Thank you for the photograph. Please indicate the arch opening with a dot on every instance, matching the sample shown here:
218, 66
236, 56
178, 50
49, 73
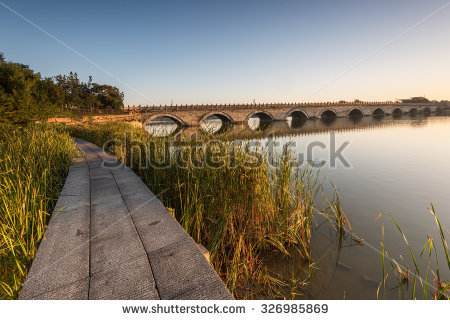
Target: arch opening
439, 111
297, 114
328, 117
259, 121
328, 114
216, 123
413, 112
378, 113
426, 111
355, 113
397, 113
163, 126
296, 119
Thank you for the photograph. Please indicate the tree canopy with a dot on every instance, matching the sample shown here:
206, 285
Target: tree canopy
25, 96
416, 100
88, 95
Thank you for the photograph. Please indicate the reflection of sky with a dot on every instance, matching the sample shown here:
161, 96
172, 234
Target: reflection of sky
235, 51
161, 130
398, 169
212, 125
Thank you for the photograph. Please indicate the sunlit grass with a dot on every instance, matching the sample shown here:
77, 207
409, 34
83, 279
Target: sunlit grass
402, 273
241, 210
33, 164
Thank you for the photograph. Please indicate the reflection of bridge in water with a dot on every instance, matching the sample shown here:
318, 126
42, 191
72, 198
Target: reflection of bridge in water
309, 126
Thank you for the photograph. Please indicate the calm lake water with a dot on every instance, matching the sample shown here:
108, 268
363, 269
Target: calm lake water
398, 166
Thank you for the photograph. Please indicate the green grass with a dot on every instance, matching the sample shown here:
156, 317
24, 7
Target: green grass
241, 209
402, 273
33, 164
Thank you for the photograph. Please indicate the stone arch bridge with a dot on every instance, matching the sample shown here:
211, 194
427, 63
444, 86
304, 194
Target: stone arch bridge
194, 115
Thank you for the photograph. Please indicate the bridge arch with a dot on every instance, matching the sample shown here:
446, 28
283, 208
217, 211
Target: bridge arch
328, 114
378, 112
221, 115
262, 114
355, 113
175, 118
413, 111
397, 112
297, 114
426, 110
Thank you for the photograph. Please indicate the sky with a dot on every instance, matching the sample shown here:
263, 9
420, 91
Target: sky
231, 51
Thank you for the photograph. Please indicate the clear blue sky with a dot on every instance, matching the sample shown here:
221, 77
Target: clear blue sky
236, 51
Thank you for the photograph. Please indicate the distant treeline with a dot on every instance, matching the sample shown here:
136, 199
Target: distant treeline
26, 96
421, 100
409, 100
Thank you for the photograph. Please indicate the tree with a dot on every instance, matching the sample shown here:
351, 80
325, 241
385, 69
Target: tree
81, 95
108, 96
17, 85
89, 98
24, 96
48, 98
416, 100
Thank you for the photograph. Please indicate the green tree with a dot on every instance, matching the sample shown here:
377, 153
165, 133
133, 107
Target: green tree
416, 100
24, 96
49, 97
89, 98
73, 90
108, 96
17, 85
81, 95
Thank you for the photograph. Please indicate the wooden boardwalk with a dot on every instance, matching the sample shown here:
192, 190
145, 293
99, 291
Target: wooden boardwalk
111, 238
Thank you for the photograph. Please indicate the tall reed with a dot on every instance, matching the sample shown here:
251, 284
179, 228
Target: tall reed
226, 196
401, 273
33, 164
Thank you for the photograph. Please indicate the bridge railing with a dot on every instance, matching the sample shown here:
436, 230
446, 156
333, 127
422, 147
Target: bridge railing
153, 108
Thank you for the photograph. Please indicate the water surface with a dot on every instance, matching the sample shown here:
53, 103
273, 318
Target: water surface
398, 166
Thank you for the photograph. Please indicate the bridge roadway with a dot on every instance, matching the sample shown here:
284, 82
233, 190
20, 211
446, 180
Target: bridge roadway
111, 238
194, 115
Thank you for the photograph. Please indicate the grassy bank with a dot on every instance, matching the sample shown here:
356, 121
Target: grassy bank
33, 164
238, 206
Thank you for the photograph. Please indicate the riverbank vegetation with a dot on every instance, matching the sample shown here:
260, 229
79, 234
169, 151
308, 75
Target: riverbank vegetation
34, 162
241, 209
411, 279
26, 96
240, 205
